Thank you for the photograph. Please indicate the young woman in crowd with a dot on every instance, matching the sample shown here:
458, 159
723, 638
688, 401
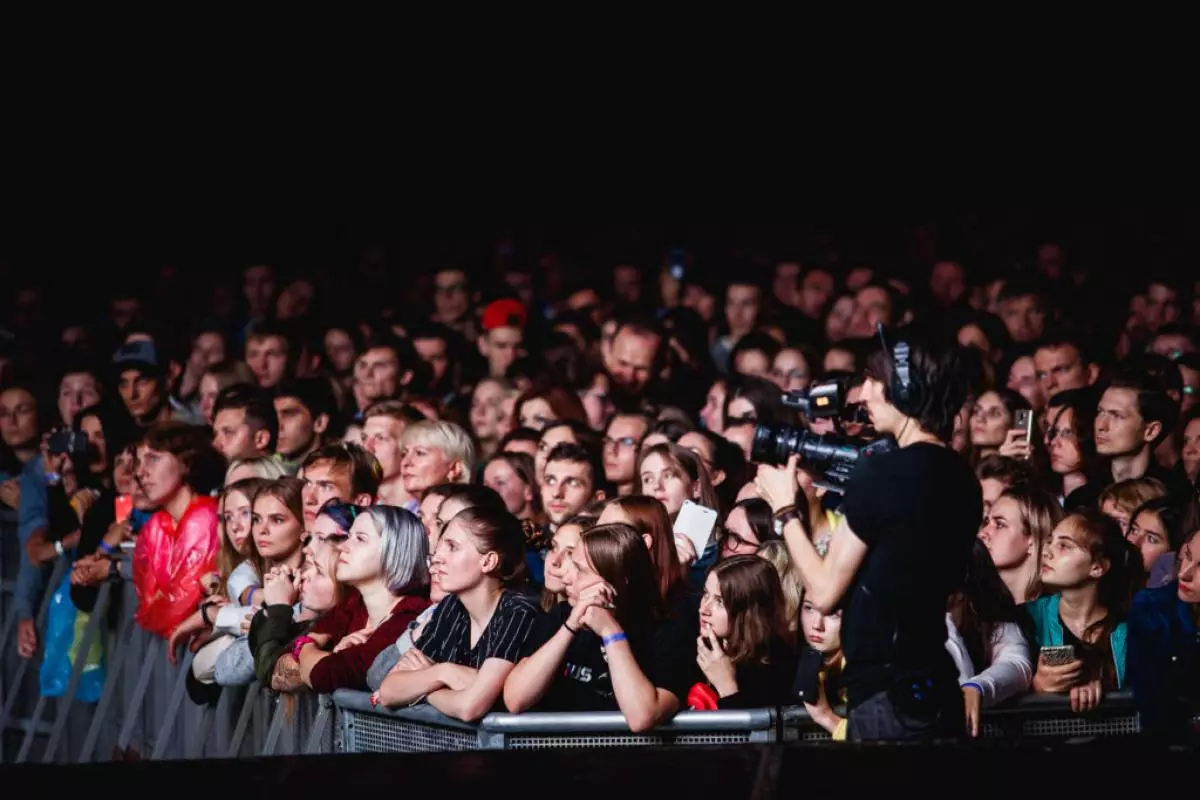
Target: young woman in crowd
556, 433
512, 476
742, 648
819, 671
491, 414
471, 643
673, 475
1071, 418
1164, 648
1017, 528
564, 542
986, 639
544, 404
649, 518
1093, 573
1122, 498
747, 528
217, 377
992, 419
1156, 529
612, 646
177, 468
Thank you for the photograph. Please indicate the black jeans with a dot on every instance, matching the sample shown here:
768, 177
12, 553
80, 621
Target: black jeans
889, 716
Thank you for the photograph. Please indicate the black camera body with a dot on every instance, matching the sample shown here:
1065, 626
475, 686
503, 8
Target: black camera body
73, 443
829, 456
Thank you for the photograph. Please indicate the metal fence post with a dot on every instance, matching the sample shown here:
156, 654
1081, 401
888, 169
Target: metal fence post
122, 645
176, 700
243, 722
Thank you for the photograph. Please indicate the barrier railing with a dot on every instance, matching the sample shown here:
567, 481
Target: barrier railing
143, 710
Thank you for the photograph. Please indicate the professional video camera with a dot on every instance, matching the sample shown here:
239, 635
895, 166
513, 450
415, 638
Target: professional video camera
831, 457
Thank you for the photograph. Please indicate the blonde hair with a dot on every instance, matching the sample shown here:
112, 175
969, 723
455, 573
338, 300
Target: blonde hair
452, 440
776, 552
264, 467
1131, 494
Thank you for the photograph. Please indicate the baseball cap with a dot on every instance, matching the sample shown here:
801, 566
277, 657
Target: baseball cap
140, 354
504, 313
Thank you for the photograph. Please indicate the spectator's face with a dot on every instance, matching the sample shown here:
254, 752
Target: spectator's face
502, 479
377, 373
838, 359
741, 309
1172, 345
583, 299
742, 436
551, 438
422, 466
566, 488
871, 305
699, 444
1022, 378
790, 370
627, 283
161, 475
1066, 561
433, 353
1147, 533
233, 438
522, 446
536, 414
360, 557
18, 419
501, 347
859, 277
578, 573
295, 300
947, 283
1061, 442
1160, 306
699, 300
1004, 536
93, 428
139, 392
277, 533
822, 631
991, 488
486, 410
318, 592
786, 284
124, 309
450, 296
815, 292
714, 618
990, 421
754, 363
209, 389
712, 416
837, 322
631, 359
1120, 429
76, 392
621, 442
566, 539
207, 349
339, 349
322, 483
1191, 448
1189, 570
973, 336
259, 289
1050, 261
381, 437
741, 540
267, 358
1060, 368
1024, 318
236, 516
666, 483
457, 563
596, 402
297, 428
428, 514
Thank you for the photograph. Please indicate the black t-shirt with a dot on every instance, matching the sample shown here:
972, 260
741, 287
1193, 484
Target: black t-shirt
665, 651
917, 509
447, 636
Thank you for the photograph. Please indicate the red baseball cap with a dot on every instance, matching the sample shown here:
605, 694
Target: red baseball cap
504, 314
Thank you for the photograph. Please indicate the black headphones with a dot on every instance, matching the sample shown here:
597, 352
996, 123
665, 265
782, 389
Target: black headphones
908, 395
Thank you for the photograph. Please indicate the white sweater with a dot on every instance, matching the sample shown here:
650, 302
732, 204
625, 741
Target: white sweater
1010, 672
229, 617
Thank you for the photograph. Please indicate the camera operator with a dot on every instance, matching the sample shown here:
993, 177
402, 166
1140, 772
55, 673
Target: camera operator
902, 547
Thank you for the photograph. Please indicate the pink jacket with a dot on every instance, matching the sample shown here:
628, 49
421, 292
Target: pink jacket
169, 561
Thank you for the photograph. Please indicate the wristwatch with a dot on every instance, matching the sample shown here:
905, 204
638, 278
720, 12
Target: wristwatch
782, 517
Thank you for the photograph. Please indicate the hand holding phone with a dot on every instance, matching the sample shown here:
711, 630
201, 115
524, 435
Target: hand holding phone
696, 523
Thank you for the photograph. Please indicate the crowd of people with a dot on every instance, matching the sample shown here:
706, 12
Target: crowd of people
480, 505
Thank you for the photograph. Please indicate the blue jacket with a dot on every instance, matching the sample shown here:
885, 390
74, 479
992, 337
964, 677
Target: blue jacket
1164, 659
1048, 631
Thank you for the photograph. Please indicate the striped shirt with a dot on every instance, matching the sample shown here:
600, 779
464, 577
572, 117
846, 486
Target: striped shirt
447, 637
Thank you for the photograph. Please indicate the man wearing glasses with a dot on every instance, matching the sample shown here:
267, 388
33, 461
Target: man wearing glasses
621, 442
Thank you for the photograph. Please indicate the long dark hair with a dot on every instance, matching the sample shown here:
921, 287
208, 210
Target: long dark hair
1125, 576
753, 597
619, 555
984, 602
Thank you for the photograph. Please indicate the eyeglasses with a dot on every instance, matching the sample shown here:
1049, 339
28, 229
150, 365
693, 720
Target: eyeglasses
1066, 434
747, 419
728, 536
624, 441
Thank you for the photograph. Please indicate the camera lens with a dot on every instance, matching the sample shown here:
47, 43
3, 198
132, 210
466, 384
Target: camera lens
774, 444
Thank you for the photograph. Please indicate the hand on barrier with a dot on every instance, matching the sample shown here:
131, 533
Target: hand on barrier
184, 632
90, 570
1086, 696
1056, 679
972, 703
412, 660
10, 493
714, 662
353, 639
778, 485
280, 586
27, 638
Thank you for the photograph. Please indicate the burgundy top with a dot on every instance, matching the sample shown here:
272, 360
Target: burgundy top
348, 669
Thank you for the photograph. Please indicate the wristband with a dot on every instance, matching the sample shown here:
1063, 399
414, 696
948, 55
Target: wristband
298, 645
616, 637
973, 685
204, 608
58, 548
374, 698
108, 549
573, 631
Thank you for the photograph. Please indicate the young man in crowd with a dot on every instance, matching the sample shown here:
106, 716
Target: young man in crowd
306, 409
383, 427
503, 337
1133, 416
622, 441
269, 355
245, 424
573, 479
342, 471
1062, 363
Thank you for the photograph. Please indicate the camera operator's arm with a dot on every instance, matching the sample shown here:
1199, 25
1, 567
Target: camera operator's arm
825, 579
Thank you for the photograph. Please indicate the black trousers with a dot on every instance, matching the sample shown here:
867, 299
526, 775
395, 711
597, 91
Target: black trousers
894, 716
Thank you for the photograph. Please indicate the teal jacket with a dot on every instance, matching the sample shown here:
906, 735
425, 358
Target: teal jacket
1049, 633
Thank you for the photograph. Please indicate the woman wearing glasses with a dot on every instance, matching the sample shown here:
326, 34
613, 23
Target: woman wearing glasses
1072, 417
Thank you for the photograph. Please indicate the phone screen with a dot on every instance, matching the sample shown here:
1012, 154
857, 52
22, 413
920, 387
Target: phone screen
124, 507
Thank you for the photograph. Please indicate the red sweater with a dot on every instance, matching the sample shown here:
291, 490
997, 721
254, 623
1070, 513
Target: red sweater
348, 669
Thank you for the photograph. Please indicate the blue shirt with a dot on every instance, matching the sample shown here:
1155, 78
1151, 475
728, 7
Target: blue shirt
32, 516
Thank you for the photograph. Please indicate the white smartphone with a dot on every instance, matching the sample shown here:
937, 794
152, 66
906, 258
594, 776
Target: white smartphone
696, 523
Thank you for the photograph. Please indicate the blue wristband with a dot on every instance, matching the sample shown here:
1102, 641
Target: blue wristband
108, 549
616, 637
974, 686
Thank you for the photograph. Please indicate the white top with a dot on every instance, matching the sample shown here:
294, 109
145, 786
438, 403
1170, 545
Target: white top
1010, 672
229, 617
241, 579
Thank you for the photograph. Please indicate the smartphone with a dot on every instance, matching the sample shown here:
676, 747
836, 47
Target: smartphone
1057, 656
124, 506
1024, 422
696, 523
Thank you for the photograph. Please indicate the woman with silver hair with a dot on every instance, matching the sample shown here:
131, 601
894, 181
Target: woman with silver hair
383, 566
